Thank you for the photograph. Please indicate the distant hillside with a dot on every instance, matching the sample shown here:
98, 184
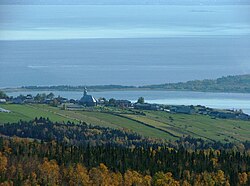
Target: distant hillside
239, 83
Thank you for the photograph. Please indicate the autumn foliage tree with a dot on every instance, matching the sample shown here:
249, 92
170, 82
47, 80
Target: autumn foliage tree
47, 153
3, 166
49, 172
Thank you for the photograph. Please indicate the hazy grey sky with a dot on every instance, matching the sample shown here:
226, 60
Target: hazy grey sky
86, 21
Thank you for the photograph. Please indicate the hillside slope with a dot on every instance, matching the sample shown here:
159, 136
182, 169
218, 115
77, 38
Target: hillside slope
154, 124
239, 83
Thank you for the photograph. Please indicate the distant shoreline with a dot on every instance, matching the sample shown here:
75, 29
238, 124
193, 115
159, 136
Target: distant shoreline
9, 90
228, 84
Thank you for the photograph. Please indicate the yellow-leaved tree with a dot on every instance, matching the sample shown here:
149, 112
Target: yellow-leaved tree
49, 172
3, 166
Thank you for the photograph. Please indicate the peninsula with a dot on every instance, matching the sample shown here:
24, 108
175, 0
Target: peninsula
237, 84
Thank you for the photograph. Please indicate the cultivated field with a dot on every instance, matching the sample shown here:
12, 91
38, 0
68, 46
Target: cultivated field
156, 124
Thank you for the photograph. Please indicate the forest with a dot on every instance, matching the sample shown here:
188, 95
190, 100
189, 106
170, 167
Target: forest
41, 152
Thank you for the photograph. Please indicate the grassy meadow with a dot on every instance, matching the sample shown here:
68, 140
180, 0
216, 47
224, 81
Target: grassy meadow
155, 124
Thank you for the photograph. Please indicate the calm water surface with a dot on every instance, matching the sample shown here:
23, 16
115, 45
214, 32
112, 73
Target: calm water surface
128, 45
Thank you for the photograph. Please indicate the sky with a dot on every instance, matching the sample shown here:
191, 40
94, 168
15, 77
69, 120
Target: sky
47, 22
118, 2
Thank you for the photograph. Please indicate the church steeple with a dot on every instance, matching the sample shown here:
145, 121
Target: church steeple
87, 100
85, 92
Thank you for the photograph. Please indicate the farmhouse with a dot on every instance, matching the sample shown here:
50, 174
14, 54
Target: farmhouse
123, 103
18, 100
88, 100
2, 100
29, 99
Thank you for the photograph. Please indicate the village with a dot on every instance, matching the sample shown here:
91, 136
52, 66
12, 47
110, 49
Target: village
88, 101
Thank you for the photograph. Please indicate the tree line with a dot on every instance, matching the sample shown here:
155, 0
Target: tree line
30, 162
41, 152
238, 83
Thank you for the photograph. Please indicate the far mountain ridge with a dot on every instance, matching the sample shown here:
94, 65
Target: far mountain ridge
237, 83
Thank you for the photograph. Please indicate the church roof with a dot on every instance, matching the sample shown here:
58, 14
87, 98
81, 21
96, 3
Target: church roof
88, 99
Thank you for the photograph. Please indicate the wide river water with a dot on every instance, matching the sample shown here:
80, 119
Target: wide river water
127, 45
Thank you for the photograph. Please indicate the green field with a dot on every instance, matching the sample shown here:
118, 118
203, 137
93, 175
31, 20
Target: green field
156, 124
